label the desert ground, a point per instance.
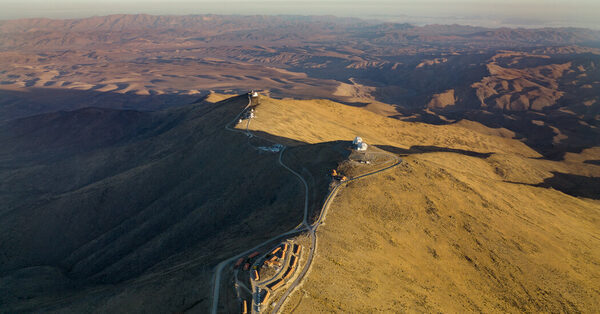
(126, 177)
(464, 204)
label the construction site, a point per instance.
(264, 276)
(261, 275)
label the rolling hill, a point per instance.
(120, 210)
(471, 220)
(124, 210)
(122, 190)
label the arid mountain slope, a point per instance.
(121, 190)
(129, 211)
(136, 218)
(430, 238)
(471, 221)
(118, 30)
(539, 83)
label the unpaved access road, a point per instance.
(216, 282)
(304, 226)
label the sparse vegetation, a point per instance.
(121, 191)
(448, 230)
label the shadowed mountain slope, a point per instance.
(120, 188)
(110, 206)
(540, 84)
(120, 210)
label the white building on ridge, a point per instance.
(358, 144)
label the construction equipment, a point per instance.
(293, 262)
(245, 307)
(287, 273)
(265, 297)
(276, 250)
(276, 284)
(272, 263)
(338, 176)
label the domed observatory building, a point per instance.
(358, 144)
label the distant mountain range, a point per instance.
(123, 185)
(454, 70)
(50, 33)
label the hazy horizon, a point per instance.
(510, 13)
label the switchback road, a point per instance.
(312, 230)
(216, 284)
(304, 226)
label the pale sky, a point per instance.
(493, 13)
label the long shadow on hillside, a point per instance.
(131, 205)
(17, 104)
(177, 174)
(551, 131)
(537, 130)
(431, 149)
(267, 139)
(574, 185)
(134, 203)
(315, 162)
(419, 115)
(165, 186)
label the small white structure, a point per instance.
(248, 114)
(359, 144)
(273, 149)
(253, 94)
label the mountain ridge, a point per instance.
(15, 31)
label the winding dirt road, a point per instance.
(312, 229)
(300, 228)
(304, 226)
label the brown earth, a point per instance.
(465, 224)
(501, 78)
(494, 208)
(442, 100)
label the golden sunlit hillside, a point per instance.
(472, 220)
(218, 158)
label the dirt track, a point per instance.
(217, 277)
(311, 228)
